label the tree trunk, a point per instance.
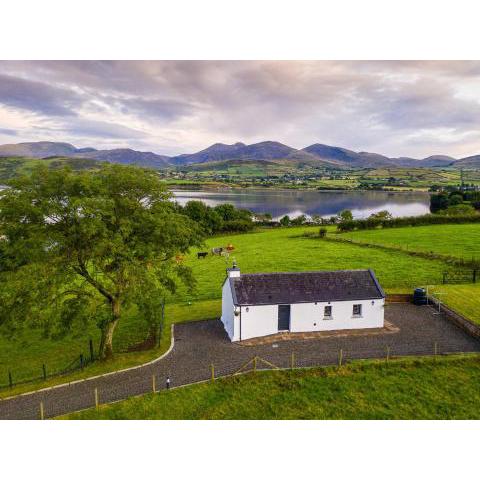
(106, 342)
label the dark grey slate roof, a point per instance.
(305, 287)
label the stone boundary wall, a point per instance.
(459, 320)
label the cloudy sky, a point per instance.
(169, 107)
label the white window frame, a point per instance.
(357, 315)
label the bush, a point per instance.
(237, 226)
(222, 218)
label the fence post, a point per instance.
(474, 276)
(42, 416)
(435, 349)
(292, 363)
(444, 277)
(96, 397)
(92, 355)
(10, 379)
(255, 364)
(340, 357)
(44, 371)
(388, 354)
(153, 384)
(212, 369)
(81, 361)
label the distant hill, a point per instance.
(347, 157)
(55, 149)
(317, 154)
(432, 161)
(126, 156)
(468, 162)
(258, 151)
(37, 149)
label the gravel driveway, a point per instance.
(200, 344)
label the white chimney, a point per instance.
(233, 272)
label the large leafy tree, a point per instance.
(88, 245)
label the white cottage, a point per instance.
(259, 304)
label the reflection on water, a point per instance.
(313, 202)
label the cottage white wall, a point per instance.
(228, 318)
(260, 320)
(308, 317)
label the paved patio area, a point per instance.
(198, 345)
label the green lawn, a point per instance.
(464, 299)
(408, 389)
(24, 356)
(462, 241)
(264, 251)
(287, 250)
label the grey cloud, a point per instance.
(95, 129)
(8, 131)
(36, 96)
(423, 104)
(156, 108)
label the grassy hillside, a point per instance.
(407, 389)
(461, 241)
(11, 167)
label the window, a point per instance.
(327, 311)
(357, 310)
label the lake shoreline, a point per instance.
(208, 187)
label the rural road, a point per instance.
(199, 344)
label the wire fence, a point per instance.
(336, 351)
(153, 380)
(461, 276)
(44, 372)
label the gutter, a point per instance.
(374, 278)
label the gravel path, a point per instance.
(199, 344)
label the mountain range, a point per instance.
(315, 155)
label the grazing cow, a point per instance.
(217, 251)
(202, 254)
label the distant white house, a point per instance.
(255, 305)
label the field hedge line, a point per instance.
(429, 219)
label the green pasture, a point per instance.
(462, 241)
(464, 299)
(285, 249)
(448, 388)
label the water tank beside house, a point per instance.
(420, 296)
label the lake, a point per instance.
(313, 202)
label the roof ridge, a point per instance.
(306, 286)
(307, 271)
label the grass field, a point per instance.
(464, 299)
(264, 251)
(407, 389)
(462, 241)
(24, 356)
(287, 250)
